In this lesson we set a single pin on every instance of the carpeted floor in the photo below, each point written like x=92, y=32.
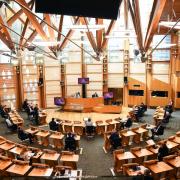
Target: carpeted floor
x=93, y=161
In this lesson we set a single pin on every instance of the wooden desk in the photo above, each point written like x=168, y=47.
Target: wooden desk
x=78, y=127
x=16, y=150
x=2, y=140
x=50, y=156
x=4, y=163
x=19, y=169
x=32, y=131
x=126, y=137
x=41, y=172
x=7, y=146
x=57, y=139
x=171, y=145
x=139, y=134
x=101, y=127
x=141, y=154
x=85, y=104
x=125, y=156
x=175, y=162
x=70, y=160
x=43, y=137
x=159, y=168
x=175, y=139
x=107, y=109
x=42, y=118
x=131, y=172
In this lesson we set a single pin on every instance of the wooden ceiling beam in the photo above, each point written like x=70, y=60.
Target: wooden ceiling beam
x=4, y=40
x=99, y=34
x=33, y=19
x=33, y=35
x=108, y=32
x=138, y=25
x=51, y=31
x=154, y=22
x=126, y=14
x=25, y=28
x=60, y=27
x=16, y=15
x=68, y=36
x=89, y=34
x=6, y=32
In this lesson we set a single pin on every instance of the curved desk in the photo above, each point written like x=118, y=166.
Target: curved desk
x=107, y=109
x=82, y=104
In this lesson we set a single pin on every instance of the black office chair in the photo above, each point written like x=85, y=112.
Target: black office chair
x=70, y=144
x=160, y=132
x=90, y=131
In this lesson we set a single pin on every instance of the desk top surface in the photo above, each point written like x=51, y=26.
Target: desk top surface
x=57, y=136
x=142, y=153
x=128, y=133
x=4, y=164
x=70, y=158
x=31, y=131
x=43, y=134
x=7, y=146
x=16, y=150
x=125, y=155
x=50, y=156
x=171, y=144
x=141, y=130
x=174, y=161
x=18, y=169
x=159, y=167
x=41, y=172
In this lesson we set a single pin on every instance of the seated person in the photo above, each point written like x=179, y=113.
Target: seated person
x=23, y=136
x=25, y=105
x=163, y=151
x=158, y=130
x=10, y=125
x=166, y=117
x=129, y=122
x=4, y=113
x=53, y=125
x=90, y=129
x=115, y=140
x=94, y=95
x=70, y=142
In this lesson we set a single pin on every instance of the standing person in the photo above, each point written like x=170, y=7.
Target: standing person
x=163, y=151
x=36, y=114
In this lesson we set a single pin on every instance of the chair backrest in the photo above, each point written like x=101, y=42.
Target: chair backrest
x=20, y=162
x=49, y=151
x=67, y=153
x=150, y=162
x=119, y=151
x=165, y=159
x=39, y=165
x=135, y=149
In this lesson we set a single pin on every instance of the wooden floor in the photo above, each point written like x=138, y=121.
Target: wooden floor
x=77, y=116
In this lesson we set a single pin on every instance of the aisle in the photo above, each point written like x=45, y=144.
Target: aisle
x=94, y=161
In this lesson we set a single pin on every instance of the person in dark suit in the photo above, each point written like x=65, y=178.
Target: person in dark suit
x=36, y=114
x=25, y=105
x=70, y=142
x=129, y=122
x=163, y=151
x=53, y=125
x=115, y=140
x=23, y=136
x=95, y=95
x=158, y=130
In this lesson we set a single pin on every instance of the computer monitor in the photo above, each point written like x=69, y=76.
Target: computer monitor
x=83, y=80
x=59, y=101
x=108, y=95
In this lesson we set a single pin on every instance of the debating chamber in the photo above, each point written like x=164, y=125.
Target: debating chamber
x=90, y=89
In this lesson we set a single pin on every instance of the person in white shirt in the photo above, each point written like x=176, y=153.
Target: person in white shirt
x=10, y=125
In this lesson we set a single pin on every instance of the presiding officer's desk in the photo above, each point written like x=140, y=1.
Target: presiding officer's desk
x=89, y=105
